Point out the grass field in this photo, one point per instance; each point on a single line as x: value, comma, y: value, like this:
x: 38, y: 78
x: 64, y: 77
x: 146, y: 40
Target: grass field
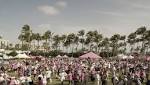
x: 56, y: 81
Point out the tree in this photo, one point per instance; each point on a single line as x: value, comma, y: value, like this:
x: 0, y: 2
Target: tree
x: 114, y: 43
x: 38, y: 38
x: 76, y: 41
x: 71, y: 38
x: 22, y: 39
x: 47, y: 36
x: 140, y: 32
x: 63, y: 40
x: 131, y: 40
x: 123, y: 43
x: 57, y: 41
x: 89, y: 39
x: 26, y: 33
x: 81, y: 40
x: 97, y: 39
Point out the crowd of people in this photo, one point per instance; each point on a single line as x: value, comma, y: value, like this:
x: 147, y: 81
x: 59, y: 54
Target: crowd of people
x: 75, y: 71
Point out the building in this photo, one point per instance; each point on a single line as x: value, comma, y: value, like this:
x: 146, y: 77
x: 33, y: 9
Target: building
x: 4, y: 43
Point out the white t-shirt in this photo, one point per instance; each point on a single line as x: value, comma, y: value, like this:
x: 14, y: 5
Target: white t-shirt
x: 22, y: 79
x: 45, y: 80
x: 48, y: 74
x: 17, y: 82
x: 1, y: 79
x: 29, y: 79
x: 62, y: 76
x: 98, y: 77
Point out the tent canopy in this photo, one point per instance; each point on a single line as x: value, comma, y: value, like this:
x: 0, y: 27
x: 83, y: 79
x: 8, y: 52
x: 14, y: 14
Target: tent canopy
x: 90, y: 55
x: 22, y: 56
x: 122, y: 56
x: 65, y: 56
x: 58, y: 56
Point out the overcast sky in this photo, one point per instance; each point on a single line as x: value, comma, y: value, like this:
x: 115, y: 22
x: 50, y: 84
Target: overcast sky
x: 63, y: 16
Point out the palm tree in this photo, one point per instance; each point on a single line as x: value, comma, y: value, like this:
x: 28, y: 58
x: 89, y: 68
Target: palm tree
x: 147, y: 44
x: 63, y: 40
x: 33, y: 37
x: 114, y: 43
x: 105, y: 43
x: 87, y: 43
x: 81, y: 40
x: 140, y: 32
x: 76, y: 41
x: 97, y: 39
x: 57, y: 41
x: 123, y: 44
x: 38, y: 38
x: 89, y: 39
x: 27, y: 33
x: 17, y: 46
x: 132, y: 40
x: 47, y: 36
x: 71, y: 38
x: 22, y: 39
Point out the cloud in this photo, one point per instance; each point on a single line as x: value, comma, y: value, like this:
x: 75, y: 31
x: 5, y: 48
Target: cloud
x: 48, y: 10
x: 53, y: 10
x: 141, y: 6
x: 61, y: 4
x: 110, y: 13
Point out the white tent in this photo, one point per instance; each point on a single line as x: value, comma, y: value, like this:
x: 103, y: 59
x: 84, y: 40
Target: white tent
x: 122, y: 56
x: 58, y: 56
x: 2, y: 50
x: 22, y: 56
x: 130, y: 57
x: 6, y: 57
x: 65, y: 56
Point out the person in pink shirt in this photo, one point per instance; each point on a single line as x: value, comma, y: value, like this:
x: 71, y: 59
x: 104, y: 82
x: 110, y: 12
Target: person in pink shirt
x: 70, y: 78
x: 12, y: 81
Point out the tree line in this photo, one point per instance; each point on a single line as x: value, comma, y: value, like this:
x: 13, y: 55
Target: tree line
x: 84, y: 41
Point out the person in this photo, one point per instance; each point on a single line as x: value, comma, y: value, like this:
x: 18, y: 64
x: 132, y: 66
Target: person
x: 62, y: 75
x: 48, y: 75
x: 29, y: 79
x: 75, y: 78
x: 104, y: 80
x: 148, y: 82
x: 6, y: 80
x: 44, y: 80
x: 70, y: 77
x: 17, y: 82
x: 1, y: 78
x: 12, y: 81
x: 22, y: 79
x: 98, y: 78
x: 40, y: 81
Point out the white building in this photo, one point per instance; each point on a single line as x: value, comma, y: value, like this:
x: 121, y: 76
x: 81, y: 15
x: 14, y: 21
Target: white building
x: 3, y: 43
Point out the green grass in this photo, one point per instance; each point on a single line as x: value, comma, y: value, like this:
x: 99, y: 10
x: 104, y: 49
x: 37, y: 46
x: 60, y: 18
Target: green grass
x: 56, y: 81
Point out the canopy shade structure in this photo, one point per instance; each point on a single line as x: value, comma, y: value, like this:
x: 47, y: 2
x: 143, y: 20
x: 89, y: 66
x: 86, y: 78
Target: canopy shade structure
x: 90, y: 55
x: 22, y: 56
x: 58, y: 56
x: 5, y: 57
x: 65, y: 56
x: 122, y: 56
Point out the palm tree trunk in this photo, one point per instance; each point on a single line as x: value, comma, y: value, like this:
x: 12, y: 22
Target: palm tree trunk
x: 38, y: 44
